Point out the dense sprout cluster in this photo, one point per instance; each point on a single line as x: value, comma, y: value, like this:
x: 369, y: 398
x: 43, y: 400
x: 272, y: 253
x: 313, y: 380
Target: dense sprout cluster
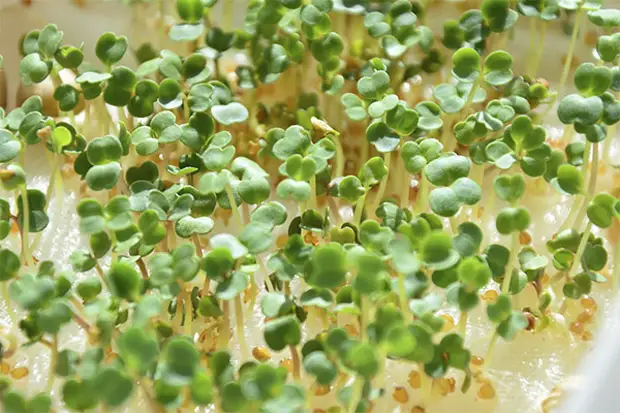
x: 348, y: 213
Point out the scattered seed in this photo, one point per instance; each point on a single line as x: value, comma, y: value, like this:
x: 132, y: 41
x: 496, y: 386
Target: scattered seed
x: 589, y: 303
x: 253, y: 148
x: 486, y: 392
x: 287, y: 364
x: 477, y: 361
x: 585, y: 317
x: 67, y: 171
x: 552, y: 401
x: 400, y: 395
x: 322, y: 390
x: 587, y: 336
x: 5, y: 368
x: 448, y: 322
x: 351, y: 329
x: 414, y: 379
x: 281, y: 241
x: 490, y: 296
x: 261, y: 353
x: 525, y: 238
x: 444, y: 385
x: 591, y: 38
x: 576, y: 328
x: 311, y: 238
x: 531, y: 321
x: 19, y: 373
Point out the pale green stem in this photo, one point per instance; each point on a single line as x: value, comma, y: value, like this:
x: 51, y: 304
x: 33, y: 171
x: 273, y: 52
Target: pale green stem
x: 568, y: 133
x: 364, y: 151
x: 421, y: 200
x: 514, y: 249
x: 339, y: 170
x: 541, y: 47
x: 178, y: 313
x: 490, y: 349
x: 53, y: 169
x: 478, y: 175
x: 530, y: 53
x: 241, y: 328
x: 472, y: 93
x: 571, y: 51
x: 189, y: 314
x: 611, y: 132
x: 382, y: 184
x: 161, y: 30
x: 229, y: 13
x: 591, y: 187
x: 463, y: 323
x: 586, y: 160
x: 122, y: 116
x: 356, y: 395
x: 580, y: 249
x: 575, y: 207
x: 454, y: 225
x: 426, y: 386
x: 261, y: 263
x: 234, y: 207
x: 27, y: 254
x: 447, y: 137
x: 313, y: 201
x: 405, y: 184
x: 616, y: 270
x: 296, y: 363
x: 224, y: 336
x: 359, y: 208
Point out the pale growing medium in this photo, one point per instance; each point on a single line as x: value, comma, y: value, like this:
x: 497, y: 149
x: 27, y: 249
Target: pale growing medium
x: 362, y: 215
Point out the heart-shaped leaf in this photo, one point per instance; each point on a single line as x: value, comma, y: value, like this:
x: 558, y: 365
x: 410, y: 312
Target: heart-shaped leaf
x: 110, y: 49
x: 188, y: 226
x: 466, y: 64
x: 577, y: 109
x: 509, y: 188
x: 382, y: 137
x: 374, y: 86
x: 498, y: 68
x: 233, y: 112
x: 33, y: 68
x: 592, y: 80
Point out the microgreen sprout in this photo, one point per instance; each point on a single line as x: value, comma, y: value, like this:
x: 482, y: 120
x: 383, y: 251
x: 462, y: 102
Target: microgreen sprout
x: 330, y: 202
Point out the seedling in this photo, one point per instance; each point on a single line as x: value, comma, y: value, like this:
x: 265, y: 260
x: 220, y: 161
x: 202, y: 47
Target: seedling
x: 310, y: 202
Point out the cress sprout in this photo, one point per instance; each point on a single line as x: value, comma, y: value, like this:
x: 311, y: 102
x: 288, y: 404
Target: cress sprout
x: 274, y: 232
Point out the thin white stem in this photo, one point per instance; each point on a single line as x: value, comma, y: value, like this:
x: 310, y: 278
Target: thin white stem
x: 591, y: 187
x: 239, y: 318
x: 571, y: 50
x: 580, y: 249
